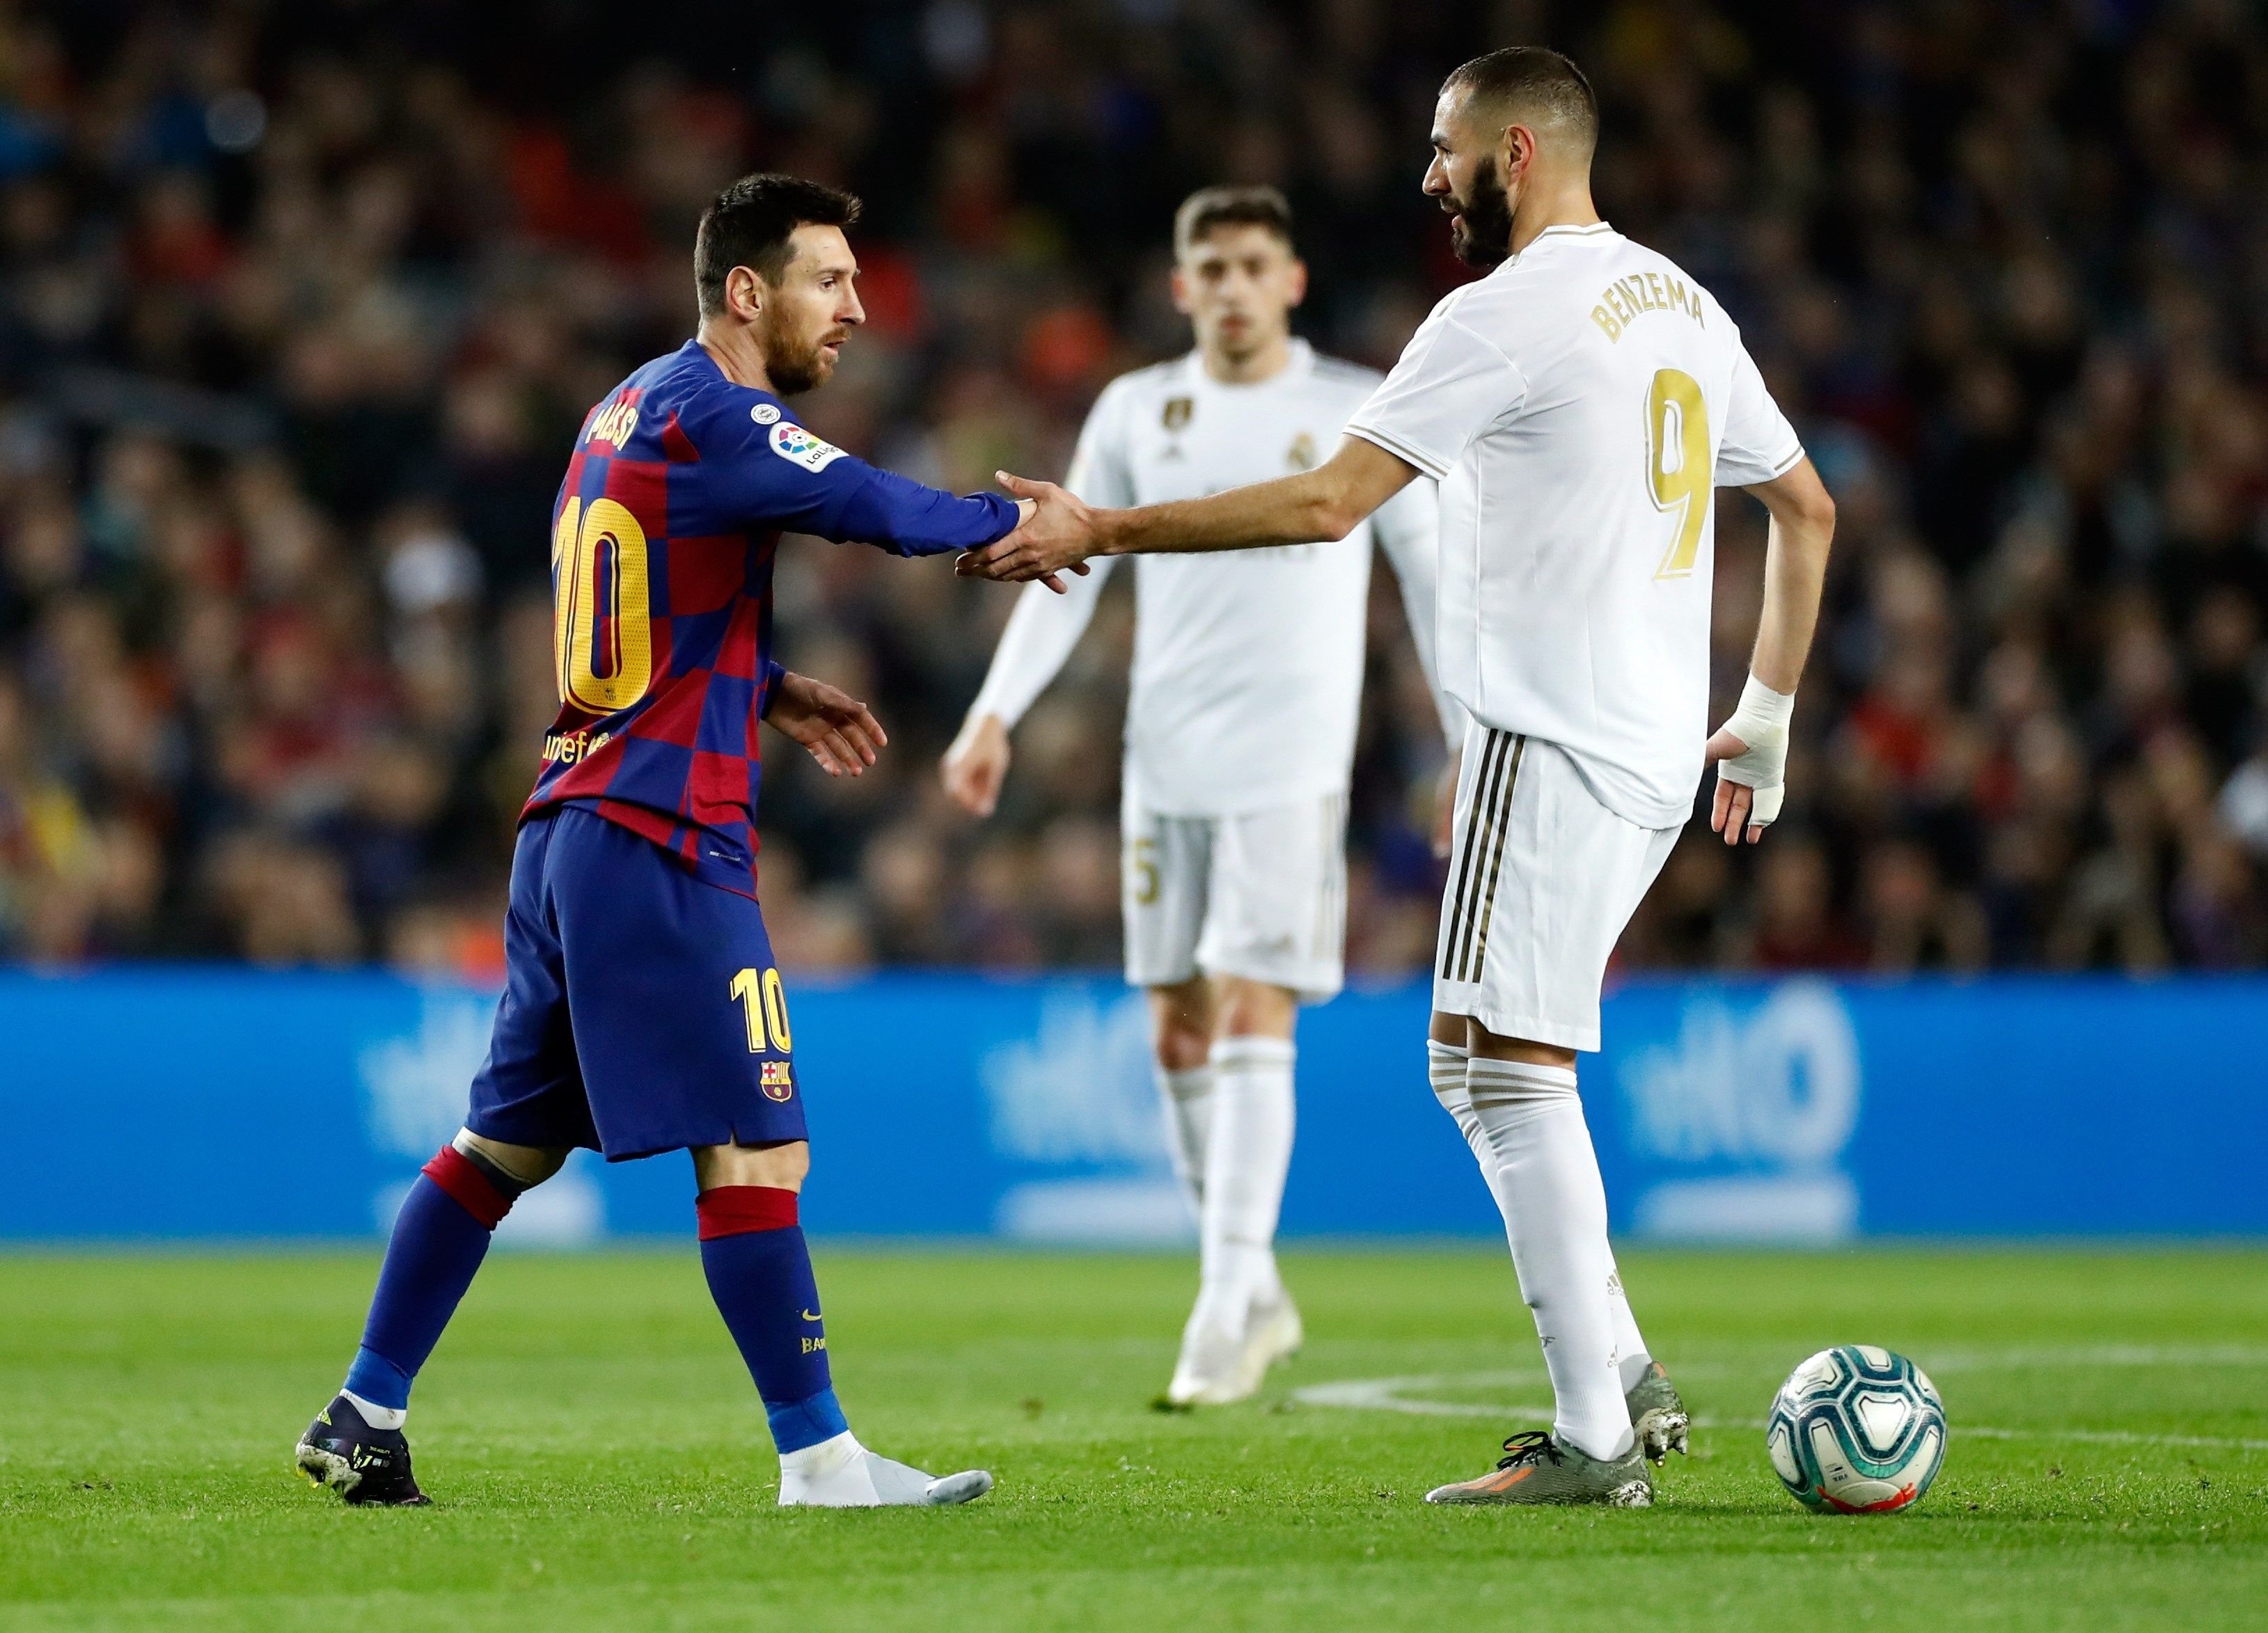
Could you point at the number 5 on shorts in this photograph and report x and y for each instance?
(760, 995)
(1146, 872)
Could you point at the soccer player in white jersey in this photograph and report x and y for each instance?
(1579, 406)
(1239, 740)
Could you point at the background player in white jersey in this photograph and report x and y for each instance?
(1579, 406)
(1239, 740)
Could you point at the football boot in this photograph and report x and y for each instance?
(1217, 1368)
(1538, 1467)
(369, 1468)
(845, 1474)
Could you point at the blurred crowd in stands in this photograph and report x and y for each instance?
(304, 304)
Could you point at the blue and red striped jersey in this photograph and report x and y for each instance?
(662, 541)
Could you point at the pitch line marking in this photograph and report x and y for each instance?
(1388, 1394)
(1960, 1360)
(2102, 1355)
(1761, 1359)
(1385, 1394)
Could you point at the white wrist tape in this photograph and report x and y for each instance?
(1761, 722)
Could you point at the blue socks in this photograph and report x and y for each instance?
(752, 1251)
(759, 1271)
(440, 1238)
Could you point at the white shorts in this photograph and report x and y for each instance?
(1541, 883)
(1262, 896)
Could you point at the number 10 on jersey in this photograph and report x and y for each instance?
(1679, 471)
(601, 619)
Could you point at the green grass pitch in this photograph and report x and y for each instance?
(598, 1461)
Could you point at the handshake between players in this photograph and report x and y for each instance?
(1060, 533)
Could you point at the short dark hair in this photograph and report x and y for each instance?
(748, 223)
(1208, 208)
(1532, 80)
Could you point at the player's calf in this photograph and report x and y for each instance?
(759, 1271)
(356, 1445)
(1181, 1044)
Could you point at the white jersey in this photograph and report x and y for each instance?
(1247, 664)
(1580, 407)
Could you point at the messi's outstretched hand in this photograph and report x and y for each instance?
(1057, 534)
(841, 733)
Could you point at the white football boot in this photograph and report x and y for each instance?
(1218, 1367)
(841, 1474)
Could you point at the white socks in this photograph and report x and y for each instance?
(1445, 1069)
(376, 1417)
(1229, 1123)
(1631, 1356)
(1525, 1125)
(1232, 1125)
(1188, 1100)
(1247, 1152)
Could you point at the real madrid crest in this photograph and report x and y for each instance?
(1301, 456)
(1178, 410)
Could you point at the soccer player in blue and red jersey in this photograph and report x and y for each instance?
(643, 1012)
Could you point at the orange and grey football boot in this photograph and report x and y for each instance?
(1538, 1467)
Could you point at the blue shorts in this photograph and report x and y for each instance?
(642, 1010)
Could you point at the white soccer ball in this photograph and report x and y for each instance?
(1856, 1430)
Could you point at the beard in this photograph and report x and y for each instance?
(795, 362)
(1482, 234)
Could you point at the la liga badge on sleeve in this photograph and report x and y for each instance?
(799, 446)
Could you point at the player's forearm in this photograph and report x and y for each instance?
(1290, 510)
(910, 518)
(1795, 577)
